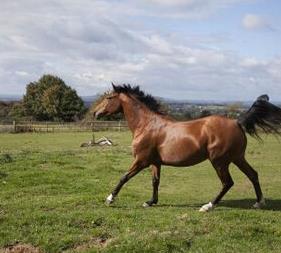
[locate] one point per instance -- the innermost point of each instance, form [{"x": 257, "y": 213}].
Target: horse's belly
[
  {"x": 183, "y": 162},
  {"x": 182, "y": 155}
]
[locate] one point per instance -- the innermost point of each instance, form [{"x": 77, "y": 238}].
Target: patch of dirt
[
  {"x": 100, "y": 242},
  {"x": 20, "y": 248}
]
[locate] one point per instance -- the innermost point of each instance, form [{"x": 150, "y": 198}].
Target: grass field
[{"x": 52, "y": 196}]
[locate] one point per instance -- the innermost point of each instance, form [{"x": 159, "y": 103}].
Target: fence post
[
  {"x": 14, "y": 126},
  {"x": 119, "y": 125}
]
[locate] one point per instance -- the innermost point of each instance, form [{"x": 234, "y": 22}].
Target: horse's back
[{"x": 190, "y": 142}]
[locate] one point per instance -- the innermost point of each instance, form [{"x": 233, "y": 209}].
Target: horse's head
[{"x": 108, "y": 104}]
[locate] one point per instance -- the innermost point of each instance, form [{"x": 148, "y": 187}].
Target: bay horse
[{"x": 159, "y": 140}]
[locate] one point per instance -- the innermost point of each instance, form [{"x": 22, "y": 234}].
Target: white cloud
[
  {"x": 21, "y": 73},
  {"x": 173, "y": 2},
  {"x": 254, "y": 22},
  {"x": 91, "y": 44},
  {"x": 186, "y": 9},
  {"x": 251, "y": 62}
]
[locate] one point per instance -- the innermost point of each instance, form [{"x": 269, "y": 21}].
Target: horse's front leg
[
  {"x": 155, "y": 184},
  {"x": 135, "y": 168}
]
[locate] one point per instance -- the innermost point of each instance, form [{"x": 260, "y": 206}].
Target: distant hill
[
  {"x": 8, "y": 98},
  {"x": 88, "y": 100}
]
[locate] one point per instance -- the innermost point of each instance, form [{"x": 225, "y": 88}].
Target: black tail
[{"x": 263, "y": 115}]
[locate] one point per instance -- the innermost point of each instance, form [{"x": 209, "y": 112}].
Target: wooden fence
[{"x": 41, "y": 127}]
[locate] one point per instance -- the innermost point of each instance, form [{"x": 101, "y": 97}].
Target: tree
[
  {"x": 205, "y": 113},
  {"x": 17, "y": 111},
  {"x": 51, "y": 99}
]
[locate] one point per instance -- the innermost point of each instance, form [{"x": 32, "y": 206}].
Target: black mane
[{"x": 147, "y": 99}]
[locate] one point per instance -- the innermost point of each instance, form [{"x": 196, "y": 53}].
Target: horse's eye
[{"x": 111, "y": 97}]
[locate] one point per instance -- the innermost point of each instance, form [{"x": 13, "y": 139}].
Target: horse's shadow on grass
[
  {"x": 246, "y": 204},
  {"x": 271, "y": 204}
]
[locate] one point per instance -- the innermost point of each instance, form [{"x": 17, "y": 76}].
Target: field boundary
[{"x": 52, "y": 127}]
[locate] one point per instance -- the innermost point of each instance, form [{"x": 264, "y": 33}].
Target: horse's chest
[{"x": 144, "y": 145}]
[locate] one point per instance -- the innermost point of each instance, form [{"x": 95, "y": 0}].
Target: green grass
[{"x": 52, "y": 196}]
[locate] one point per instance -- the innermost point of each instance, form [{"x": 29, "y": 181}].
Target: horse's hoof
[
  {"x": 145, "y": 205},
  {"x": 109, "y": 200},
  {"x": 207, "y": 207},
  {"x": 259, "y": 205}
]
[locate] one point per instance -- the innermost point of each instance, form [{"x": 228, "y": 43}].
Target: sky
[{"x": 180, "y": 49}]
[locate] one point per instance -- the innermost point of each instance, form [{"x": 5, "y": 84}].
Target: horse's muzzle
[{"x": 98, "y": 114}]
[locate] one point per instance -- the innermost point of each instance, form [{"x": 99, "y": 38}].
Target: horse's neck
[{"x": 136, "y": 114}]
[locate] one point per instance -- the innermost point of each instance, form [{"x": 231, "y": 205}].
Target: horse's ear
[
  {"x": 113, "y": 86},
  {"x": 264, "y": 97}
]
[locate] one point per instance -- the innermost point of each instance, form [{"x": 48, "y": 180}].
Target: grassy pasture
[{"x": 52, "y": 196}]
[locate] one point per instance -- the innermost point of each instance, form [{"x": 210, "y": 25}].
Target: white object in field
[
  {"x": 100, "y": 142},
  {"x": 260, "y": 204},
  {"x": 207, "y": 207},
  {"x": 104, "y": 141}
]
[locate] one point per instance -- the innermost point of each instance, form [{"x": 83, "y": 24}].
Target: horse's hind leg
[
  {"x": 227, "y": 183},
  {"x": 155, "y": 184},
  {"x": 247, "y": 169}
]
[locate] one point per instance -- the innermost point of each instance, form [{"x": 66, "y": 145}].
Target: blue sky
[{"x": 183, "y": 49}]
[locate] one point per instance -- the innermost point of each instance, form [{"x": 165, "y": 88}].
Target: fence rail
[{"x": 22, "y": 127}]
